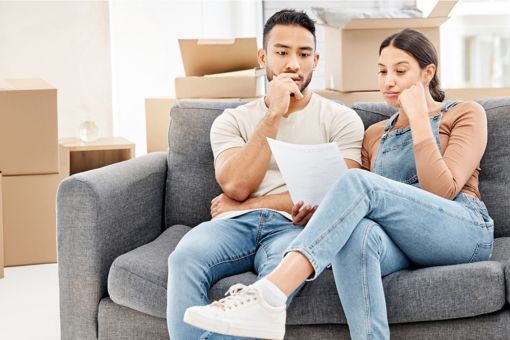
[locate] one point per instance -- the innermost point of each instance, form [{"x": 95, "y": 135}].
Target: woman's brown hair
[{"x": 420, "y": 47}]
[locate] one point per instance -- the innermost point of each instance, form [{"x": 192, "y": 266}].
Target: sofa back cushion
[
  {"x": 495, "y": 165},
  {"x": 495, "y": 175},
  {"x": 191, "y": 184}
]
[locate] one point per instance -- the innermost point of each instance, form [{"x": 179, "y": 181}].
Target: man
[{"x": 251, "y": 224}]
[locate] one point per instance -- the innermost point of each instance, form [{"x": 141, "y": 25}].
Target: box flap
[
  {"x": 253, "y": 72},
  {"x": 437, "y": 16},
  {"x": 24, "y": 84},
  {"x": 394, "y": 23},
  {"x": 442, "y": 8},
  {"x": 205, "y": 56}
]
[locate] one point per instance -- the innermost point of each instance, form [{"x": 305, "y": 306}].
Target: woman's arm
[{"x": 445, "y": 175}]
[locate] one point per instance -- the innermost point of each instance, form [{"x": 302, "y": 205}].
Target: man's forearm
[
  {"x": 241, "y": 173},
  {"x": 281, "y": 202}
]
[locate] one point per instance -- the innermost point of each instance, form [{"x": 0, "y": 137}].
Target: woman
[{"x": 418, "y": 206}]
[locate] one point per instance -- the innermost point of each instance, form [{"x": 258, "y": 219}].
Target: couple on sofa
[{"x": 417, "y": 205}]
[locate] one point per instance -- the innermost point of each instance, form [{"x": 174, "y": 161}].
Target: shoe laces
[{"x": 237, "y": 295}]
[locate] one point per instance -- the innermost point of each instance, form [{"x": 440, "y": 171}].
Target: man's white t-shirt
[{"x": 321, "y": 121}]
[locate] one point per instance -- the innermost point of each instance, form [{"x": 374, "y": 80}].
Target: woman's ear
[
  {"x": 428, "y": 73},
  {"x": 261, "y": 57}
]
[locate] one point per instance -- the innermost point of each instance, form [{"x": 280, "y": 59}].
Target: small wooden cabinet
[{"x": 77, "y": 156}]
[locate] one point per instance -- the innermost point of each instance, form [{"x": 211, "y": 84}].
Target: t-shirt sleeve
[
  {"x": 225, "y": 133},
  {"x": 347, "y": 131},
  {"x": 445, "y": 175}
]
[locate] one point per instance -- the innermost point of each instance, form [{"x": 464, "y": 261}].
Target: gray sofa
[{"x": 117, "y": 226}]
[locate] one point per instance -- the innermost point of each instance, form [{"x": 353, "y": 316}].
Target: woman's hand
[
  {"x": 413, "y": 102},
  {"x": 302, "y": 214}
]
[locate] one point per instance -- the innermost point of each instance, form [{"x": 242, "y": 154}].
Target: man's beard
[{"x": 305, "y": 84}]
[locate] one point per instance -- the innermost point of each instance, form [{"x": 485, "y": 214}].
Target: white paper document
[{"x": 308, "y": 170}]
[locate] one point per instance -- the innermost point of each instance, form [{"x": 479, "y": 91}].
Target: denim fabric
[
  {"x": 395, "y": 157},
  {"x": 217, "y": 249},
  {"x": 369, "y": 226},
  {"x": 383, "y": 227}
]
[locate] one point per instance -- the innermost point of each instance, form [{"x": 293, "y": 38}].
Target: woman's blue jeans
[{"x": 369, "y": 226}]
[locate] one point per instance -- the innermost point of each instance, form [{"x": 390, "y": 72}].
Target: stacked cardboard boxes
[
  {"x": 352, "y": 50},
  {"x": 216, "y": 69},
  {"x": 219, "y": 69},
  {"x": 29, "y": 162}
]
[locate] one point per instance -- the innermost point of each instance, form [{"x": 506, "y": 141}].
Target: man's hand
[
  {"x": 302, "y": 214},
  {"x": 280, "y": 89},
  {"x": 223, "y": 203},
  {"x": 413, "y": 102}
]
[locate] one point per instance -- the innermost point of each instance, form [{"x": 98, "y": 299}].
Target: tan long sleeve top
[{"x": 456, "y": 168}]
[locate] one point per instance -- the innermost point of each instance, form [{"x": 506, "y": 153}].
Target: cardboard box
[
  {"x": 352, "y": 51},
  {"x": 210, "y": 57},
  {"x": 29, "y": 204},
  {"x": 157, "y": 115},
  {"x": 1, "y": 233},
  {"x": 476, "y": 93},
  {"x": 28, "y": 127},
  {"x": 349, "y": 98},
  {"x": 157, "y": 118}
]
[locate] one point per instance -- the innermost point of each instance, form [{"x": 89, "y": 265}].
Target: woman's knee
[{"x": 367, "y": 235}]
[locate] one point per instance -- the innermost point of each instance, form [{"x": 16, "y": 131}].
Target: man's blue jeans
[
  {"x": 217, "y": 249},
  {"x": 369, "y": 226}
]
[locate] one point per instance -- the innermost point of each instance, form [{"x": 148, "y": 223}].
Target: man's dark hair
[{"x": 288, "y": 17}]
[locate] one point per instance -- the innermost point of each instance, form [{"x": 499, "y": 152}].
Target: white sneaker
[{"x": 243, "y": 313}]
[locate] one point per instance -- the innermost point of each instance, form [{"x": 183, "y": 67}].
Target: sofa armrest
[{"x": 102, "y": 214}]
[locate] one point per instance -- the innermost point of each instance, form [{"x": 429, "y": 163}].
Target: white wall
[
  {"x": 145, "y": 51},
  {"x": 67, "y": 44},
  {"x": 476, "y": 19}
]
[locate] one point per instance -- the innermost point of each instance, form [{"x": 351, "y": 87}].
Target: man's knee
[
  {"x": 191, "y": 246},
  {"x": 186, "y": 255},
  {"x": 176, "y": 258}
]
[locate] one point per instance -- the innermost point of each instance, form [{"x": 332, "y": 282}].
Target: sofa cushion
[
  {"x": 495, "y": 177},
  {"x": 436, "y": 293},
  {"x": 371, "y": 113},
  {"x": 138, "y": 280},
  {"x": 191, "y": 184},
  {"x": 501, "y": 254},
  {"x": 507, "y": 276}
]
